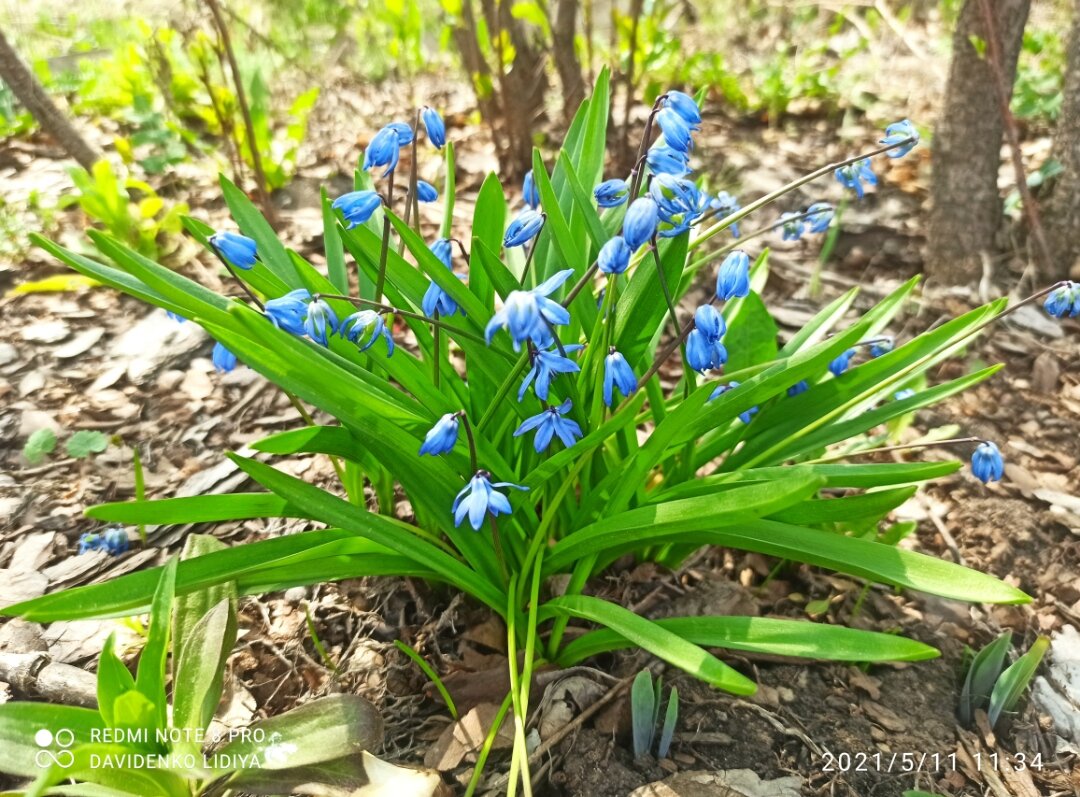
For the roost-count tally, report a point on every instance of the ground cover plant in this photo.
(453, 371)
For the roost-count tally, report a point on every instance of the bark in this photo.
(1062, 209)
(566, 60)
(967, 207)
(29, 92)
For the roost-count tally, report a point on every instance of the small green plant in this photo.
(140, 742)
(988, 687)
(80, 445)
(1037, 93)
(39, 445)
(129, 209)
(645, 702)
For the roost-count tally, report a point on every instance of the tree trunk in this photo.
(967, 207)
(1062, 209)
(565, 54)
(29, 92)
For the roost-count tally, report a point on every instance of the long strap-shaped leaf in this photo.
(651, 636)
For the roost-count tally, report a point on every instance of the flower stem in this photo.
(532, 251)
(386, 308)
(590, 272)
(436, 334)
(469, 437)
(228, 267)
(384, 251)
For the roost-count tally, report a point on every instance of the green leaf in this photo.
(252, 224)
(19, 727)
(113, 680)
(652, 637)
(189, 608)
(776, 637)
(150, 676)
(200, 669)
(194, 509)
(39, 445)
(86, 442)
(982, 675)
(336, 270)
(642, 709)
(751, 336)
(1015, 680)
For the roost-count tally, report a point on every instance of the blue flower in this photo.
(547, 364)
(224, 360)
(679, 202)
(702, 353)
(986, 463)
(115, 540)
(881, 346)
(677, 133)
(724, 204)
(89, 541)
(745, 415)
(709, 322)
(426, 192)
(321, 321)
(639, 224)
(793, 226)
(434, 126)
(733, 278)
(663, 159)
(435, 298)
(898, 132)
(614, 256)
(617, 373)
(179, 319)
(819, 216)
(442, 436)
(527, 314)
(287, 312)
(855, 174)
(523, 229)
(529, 192)
(611, 193)
(549, 423)
(355, 326)
(478, 498)
(403, 132)
(357, 206)
(237, 249)
(799, 387)
(442, 249)
(684, 105)
(906, 393)
(841, 363)
(383, 150)
(1064, 300)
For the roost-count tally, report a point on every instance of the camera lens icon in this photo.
(47, 757)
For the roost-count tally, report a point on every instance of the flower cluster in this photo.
(114, 541)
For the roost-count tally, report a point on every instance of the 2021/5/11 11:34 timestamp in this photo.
(925, 762)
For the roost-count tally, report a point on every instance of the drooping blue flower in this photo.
(435, 298)
(357, 206)
(841, 363)
(679, 203)
(677, 133)
(434, 126)
(384, 150)
(733, 278)
(288, 312)
(547, 364)
(709, 322)
(426, 192)
(881, 346)
(529, 191)
(478, 498)
(799, 387)
(115, 540)
(664, 159)
(442, 436)
(403, 131)
(906, 393)
(442, 248)
(639, 224)
(321, 321)
(617, 373)
(899, 132)
(986, 463)
(1064, 300)
(611, 193)
(223, 359)
(703, 353)
(89, 541)
(724, 204)
(523, 229)
(527, 314)
(549, 423)
(793, 226)
(614, 256)
(684, 105)
(355, 326)
(745, 415)
(237, 249)
(855, 174)
(819, 216)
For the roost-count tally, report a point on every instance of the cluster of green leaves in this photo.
(645, 703)
(631, 485)
(134, 720)
(1037, 92)
(992, 687)
(80, 445)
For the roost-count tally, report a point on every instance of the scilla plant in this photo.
(501, 424)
